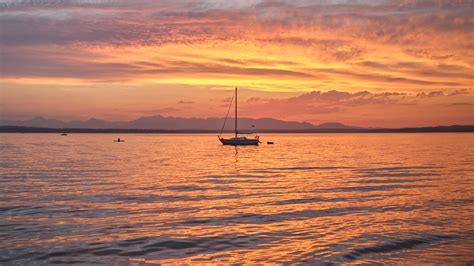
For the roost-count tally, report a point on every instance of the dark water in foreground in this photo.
(341, 198)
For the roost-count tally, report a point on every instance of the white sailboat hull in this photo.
(242, 141)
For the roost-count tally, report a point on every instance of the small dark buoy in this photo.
(269, 142)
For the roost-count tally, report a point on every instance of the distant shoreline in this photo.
(437, 129)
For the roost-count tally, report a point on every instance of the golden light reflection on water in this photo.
(187, 199)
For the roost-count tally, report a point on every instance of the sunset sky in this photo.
(364, 63)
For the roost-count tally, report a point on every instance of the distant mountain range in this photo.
(159, 122)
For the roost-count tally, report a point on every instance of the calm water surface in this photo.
(340, 198)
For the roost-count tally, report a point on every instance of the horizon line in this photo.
(431, 129)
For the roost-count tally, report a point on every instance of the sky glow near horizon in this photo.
(365, 63)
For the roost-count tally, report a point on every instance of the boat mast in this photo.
(236, 112)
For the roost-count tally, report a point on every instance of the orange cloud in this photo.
(387, 109)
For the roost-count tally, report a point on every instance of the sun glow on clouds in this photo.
(274, 47)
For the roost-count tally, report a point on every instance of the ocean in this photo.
(186, 199)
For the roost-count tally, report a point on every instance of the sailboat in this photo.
(237, 140)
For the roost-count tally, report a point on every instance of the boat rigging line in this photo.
(226, 116)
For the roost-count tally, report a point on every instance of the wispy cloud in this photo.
(159, 111)
(186, 102)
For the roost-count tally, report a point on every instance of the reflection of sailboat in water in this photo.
(237, 140)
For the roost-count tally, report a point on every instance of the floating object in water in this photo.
(237, 140)
(269, 142)
(119, 140)
(64, 134)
